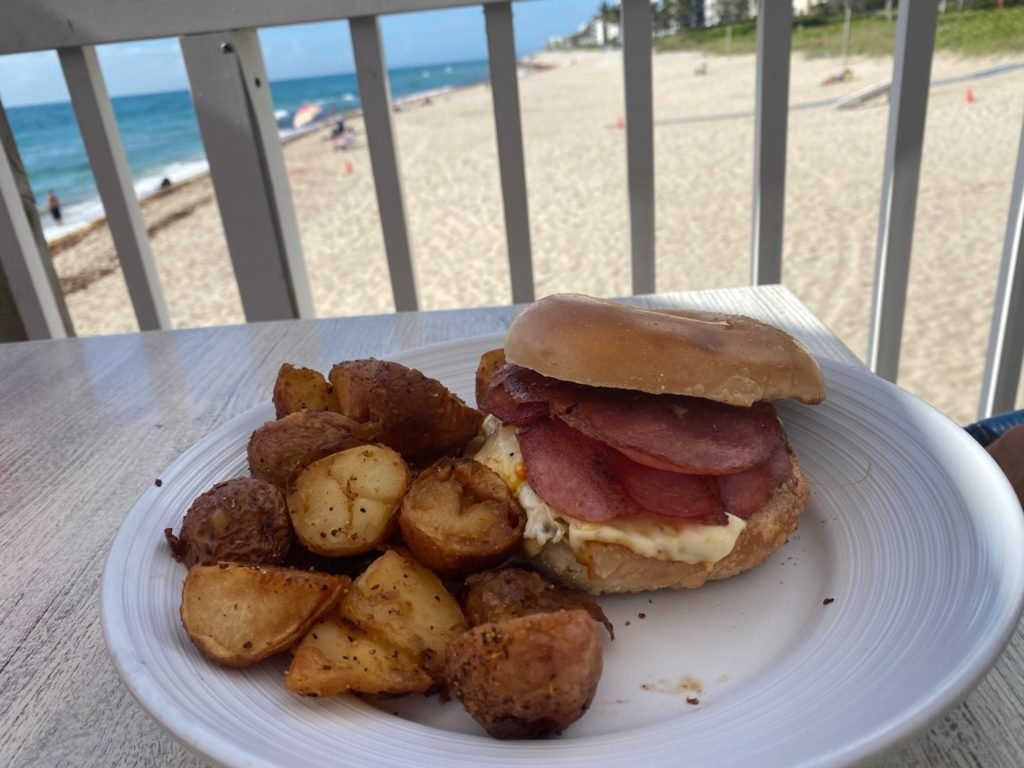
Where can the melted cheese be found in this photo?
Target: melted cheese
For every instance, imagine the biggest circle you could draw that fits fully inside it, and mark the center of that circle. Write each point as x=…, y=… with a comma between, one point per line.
x=500, y=452
x=657, y=537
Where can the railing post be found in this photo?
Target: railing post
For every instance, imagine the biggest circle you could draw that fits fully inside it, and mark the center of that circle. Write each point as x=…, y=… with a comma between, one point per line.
x=236, y=120
x=636, y=62
x=912, y=66
x=33, y=304
x=96, y=121
x=375, y=96
x=1006, y=339
x=508, y=128
x=774, y=36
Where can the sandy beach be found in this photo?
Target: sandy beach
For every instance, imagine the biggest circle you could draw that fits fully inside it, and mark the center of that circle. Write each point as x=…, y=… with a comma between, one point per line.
x=576, y=175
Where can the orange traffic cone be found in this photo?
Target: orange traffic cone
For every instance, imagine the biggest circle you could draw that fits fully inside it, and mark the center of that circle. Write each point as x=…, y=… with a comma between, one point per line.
x=620, y=123
x=348, y=168
x=970, y=96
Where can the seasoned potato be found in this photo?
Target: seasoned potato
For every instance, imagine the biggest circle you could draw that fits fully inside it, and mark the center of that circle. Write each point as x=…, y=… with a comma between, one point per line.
x=398, y=600
x=346, y=503
x=460, y=517
x=244, y=520
x=335, y=657
x=238, y=614
x=529, y=677
x=415, y=415
x=298, y=389
x=490, y=363
x=512, y=592
x=280, y=447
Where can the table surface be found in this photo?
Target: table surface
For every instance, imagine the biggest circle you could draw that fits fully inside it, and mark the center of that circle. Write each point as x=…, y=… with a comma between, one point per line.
x=87, y=425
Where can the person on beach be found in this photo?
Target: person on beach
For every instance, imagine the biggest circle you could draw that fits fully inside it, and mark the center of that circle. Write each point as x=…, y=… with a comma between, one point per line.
x=1008, y=452
x=344, y=141
x=54, y=204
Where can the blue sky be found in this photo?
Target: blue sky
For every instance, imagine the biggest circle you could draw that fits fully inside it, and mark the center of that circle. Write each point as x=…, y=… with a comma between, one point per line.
x=308, y=49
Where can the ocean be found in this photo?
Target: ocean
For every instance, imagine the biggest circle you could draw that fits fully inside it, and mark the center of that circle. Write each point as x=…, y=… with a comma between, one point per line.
x=161, y=135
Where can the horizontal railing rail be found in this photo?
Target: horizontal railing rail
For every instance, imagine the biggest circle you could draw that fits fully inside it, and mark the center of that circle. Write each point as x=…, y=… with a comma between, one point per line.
x=229, y=87
x=43, y=25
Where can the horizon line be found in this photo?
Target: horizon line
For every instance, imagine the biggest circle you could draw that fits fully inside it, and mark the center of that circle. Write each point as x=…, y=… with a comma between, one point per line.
x=187, y=89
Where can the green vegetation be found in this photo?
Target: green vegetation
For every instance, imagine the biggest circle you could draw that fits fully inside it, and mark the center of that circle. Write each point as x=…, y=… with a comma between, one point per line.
x=972, y=33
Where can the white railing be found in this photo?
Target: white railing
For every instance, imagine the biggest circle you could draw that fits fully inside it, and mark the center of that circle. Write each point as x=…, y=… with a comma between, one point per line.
x=235, y=114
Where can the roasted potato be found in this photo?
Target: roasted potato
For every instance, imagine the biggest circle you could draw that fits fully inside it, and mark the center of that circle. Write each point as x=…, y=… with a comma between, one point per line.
x=529, y=677
x=346, y=503
x=336, y=657
x=239, y=614
x=280, y=447
x=404, y=604
x=299, y=389
x=460, y=517
x=404, y=409
x=490, y=363
x=243, y=520
x=508, y=593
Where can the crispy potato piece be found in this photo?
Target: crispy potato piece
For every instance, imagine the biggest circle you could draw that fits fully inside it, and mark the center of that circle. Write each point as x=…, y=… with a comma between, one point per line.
x=243, y=520
x=239, y=614
x=508, y=593
x=335, y=657
x=529, y=677
x=298, y=389
x=280, y=447
x=460, y=517
x=346, y=503
x=404, y=409
x=490, y=363
x=400, y=601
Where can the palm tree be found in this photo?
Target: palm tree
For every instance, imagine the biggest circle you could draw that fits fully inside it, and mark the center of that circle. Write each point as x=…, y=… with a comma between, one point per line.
x=676, y=13
x=606, y=13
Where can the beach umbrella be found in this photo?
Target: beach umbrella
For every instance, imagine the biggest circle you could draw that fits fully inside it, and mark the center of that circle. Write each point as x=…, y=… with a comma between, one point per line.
x=306, y=114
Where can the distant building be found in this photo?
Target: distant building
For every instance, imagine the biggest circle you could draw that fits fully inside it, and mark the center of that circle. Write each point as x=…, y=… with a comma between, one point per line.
x=703, y=13
x=593, y=33
x=727, y=11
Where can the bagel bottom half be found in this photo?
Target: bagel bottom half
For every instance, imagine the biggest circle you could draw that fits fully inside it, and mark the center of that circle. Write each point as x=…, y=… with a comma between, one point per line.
x=600, y=568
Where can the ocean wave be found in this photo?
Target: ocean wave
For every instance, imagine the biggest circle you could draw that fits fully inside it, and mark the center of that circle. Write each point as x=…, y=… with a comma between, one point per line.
x=338, y=97
x=180, y=170
x=80, y=214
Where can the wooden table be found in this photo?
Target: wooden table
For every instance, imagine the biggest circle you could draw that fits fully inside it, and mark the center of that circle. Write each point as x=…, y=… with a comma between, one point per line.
x=89, y=423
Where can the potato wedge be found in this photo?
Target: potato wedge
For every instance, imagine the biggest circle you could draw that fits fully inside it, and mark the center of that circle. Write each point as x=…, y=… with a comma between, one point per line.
x=490, y=363
x=298, y=389
x=280, y=447
x=415, y=415
x=508, y=593
x=335, y=657
x=239, y=614
x=347, y=503
x=460, y=517
x=529, y=677
x=398, y=600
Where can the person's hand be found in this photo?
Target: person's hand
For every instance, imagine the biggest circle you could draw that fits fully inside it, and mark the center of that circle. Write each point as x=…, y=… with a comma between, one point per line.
x=1008, y=451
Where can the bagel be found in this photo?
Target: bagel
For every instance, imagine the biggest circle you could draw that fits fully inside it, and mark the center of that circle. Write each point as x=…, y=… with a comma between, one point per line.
x=728, y=358
x=641, y=444
x=604, y=568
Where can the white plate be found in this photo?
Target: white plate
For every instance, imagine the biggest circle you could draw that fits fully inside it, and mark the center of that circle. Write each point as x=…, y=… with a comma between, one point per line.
x=911, y=530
